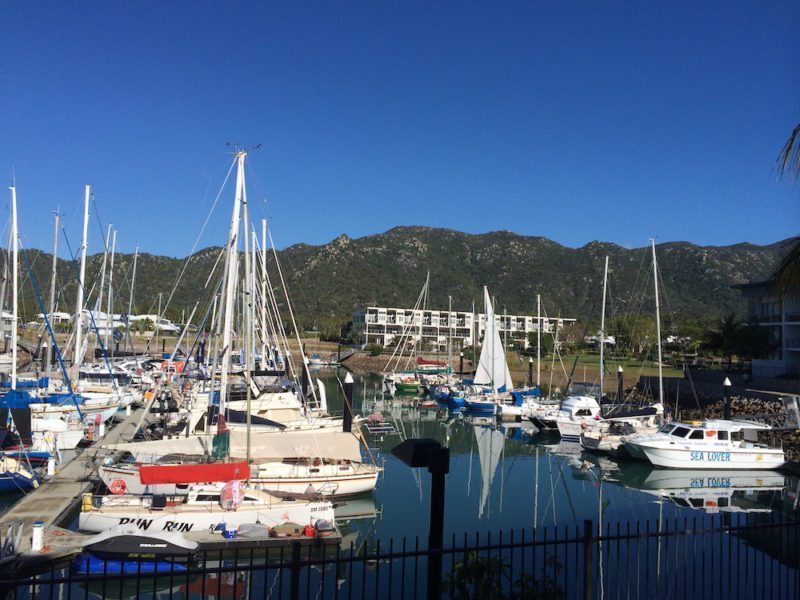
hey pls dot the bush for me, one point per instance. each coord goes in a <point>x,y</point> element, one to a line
<point>374,349</point>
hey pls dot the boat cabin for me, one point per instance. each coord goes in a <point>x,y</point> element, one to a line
<point>715,430</point>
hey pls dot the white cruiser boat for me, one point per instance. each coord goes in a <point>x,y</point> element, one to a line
<point>204,508</point>
<point>606,435</point>
<point>574,412</point>
<point>712,444</point>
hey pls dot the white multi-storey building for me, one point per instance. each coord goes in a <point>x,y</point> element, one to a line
<point>386,326</point>
<point>781,317</point>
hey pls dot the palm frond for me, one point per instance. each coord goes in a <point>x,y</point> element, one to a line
<point>785,281</point>
<point>789,157</point>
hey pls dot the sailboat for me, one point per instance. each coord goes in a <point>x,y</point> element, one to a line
<point>14,476</point>
<point>492,371</point>
<point>272,433</point>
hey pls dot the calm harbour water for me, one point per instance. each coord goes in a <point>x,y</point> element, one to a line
<point>505,476</point>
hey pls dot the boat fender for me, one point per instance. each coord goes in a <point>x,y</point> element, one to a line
<point>117,487</point>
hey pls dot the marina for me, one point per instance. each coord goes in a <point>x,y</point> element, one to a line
<point>375,300</point>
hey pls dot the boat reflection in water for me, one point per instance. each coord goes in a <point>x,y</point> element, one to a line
<point>710,491</point>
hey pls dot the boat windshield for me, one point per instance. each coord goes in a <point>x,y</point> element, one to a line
<point>667,428</point>
<point>680,431</point>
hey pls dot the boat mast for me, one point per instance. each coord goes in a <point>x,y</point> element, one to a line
<point>130,301</point>
<point>603,324</point>
<point>110,304</point>
<point>538,340</point>
<point>658,325</point>
<point>106,241</point>
<point>450,332</point>
<point>14,301</point>
<point>4,287</point>
<point>229,300</point>
<point>77,357</point>
<point>52,305</point>
<point>247,297</point>
<point>263,293</point>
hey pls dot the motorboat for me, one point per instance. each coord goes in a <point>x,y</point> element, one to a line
<point>711,444</point>
<point>606,434</point>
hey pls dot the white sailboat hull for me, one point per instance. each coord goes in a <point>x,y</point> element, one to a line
<point>356,481</point>
<point>201,518</point>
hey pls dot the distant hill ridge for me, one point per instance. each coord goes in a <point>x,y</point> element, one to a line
<point>329,281</point>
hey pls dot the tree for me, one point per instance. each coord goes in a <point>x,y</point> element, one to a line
<point>725,337</point>
<point>753,341</point>
<point>786,278</point>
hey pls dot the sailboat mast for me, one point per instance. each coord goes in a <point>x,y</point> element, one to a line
<point>130,298</point>
<point>52,306</point>
<point>263,293</point>
<point>229,300</point>
<point>603,325</point>
<point>4,287</point>
<point>102,288</point>
<point>110,303</point>
<point>538,339</point>
<point>450,331</point>
<point>77,357</point>
<point>15,282</point>
<point>658,325</point>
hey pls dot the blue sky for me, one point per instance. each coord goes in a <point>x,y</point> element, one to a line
<point>580,121</point>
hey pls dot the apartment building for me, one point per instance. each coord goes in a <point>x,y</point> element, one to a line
<point>782,318</point>
<point>386,326</point>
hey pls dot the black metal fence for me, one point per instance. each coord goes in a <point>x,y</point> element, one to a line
<point>731,556</point>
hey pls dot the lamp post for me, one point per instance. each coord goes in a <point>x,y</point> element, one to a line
<point>426,452</point>
<point>726,399</point>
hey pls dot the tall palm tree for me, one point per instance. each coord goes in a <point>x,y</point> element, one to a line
<point>785,281</point>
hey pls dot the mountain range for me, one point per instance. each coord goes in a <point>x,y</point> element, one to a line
<point>328,282</point>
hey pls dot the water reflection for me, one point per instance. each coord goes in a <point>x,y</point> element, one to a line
<point>508,475</point>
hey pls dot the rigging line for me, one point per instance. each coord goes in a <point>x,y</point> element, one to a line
<point>291,314</point>
<point>87,304</point>
<point>99,224</point>
<point>197,240</point>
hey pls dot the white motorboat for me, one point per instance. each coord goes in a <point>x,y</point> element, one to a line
<point>712,444</point>
<point>606,434</point>
<point>574,412</point>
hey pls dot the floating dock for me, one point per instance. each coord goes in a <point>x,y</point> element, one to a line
<point>53,500</point>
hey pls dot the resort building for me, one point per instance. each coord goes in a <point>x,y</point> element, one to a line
<point>386,326</point>
<point>782,319</point>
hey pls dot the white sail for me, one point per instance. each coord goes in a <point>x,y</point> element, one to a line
<point>490,446</point>
<point>492,368</point>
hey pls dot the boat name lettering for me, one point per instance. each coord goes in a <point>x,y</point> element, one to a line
<point>143,524</point>
<point>712,456</point>
<point>173,526</point>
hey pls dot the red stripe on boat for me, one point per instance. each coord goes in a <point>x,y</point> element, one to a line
<point>202,473</point>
